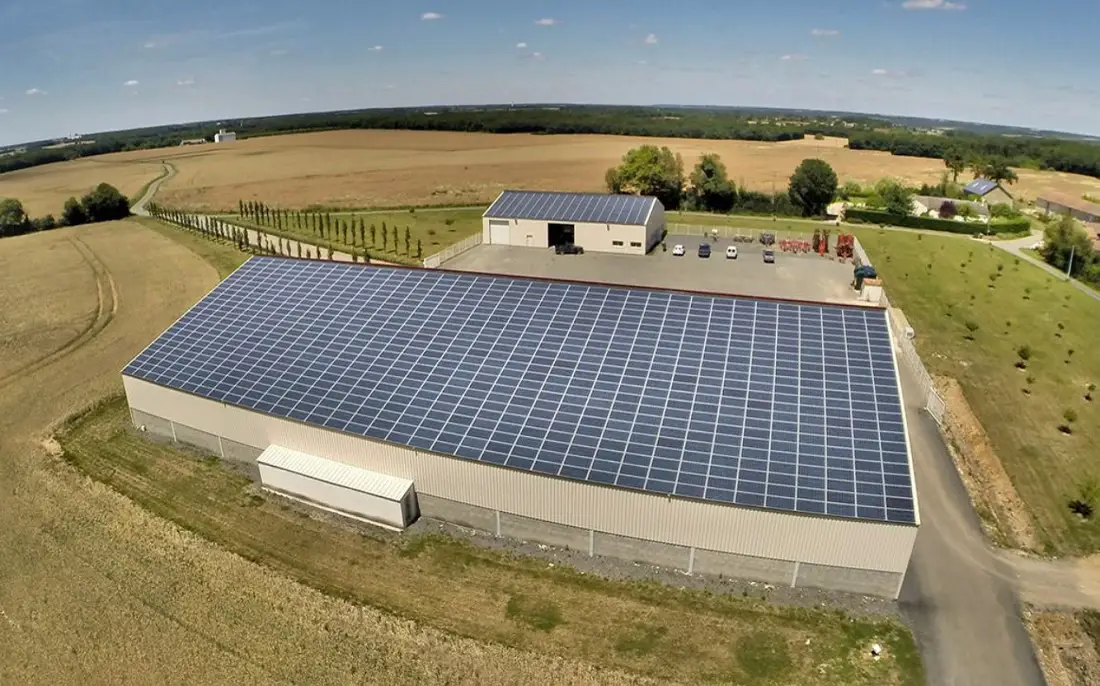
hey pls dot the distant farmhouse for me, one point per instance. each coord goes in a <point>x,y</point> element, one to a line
<point>224,136</point>
<point>988,192</point>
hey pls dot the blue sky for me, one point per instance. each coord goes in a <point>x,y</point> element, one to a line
<point>74,66</point>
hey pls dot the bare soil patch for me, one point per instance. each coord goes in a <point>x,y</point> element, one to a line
<point>43,190</point>
<point>355,169</point>
<point>1066,652</point>
<point>991,490</point>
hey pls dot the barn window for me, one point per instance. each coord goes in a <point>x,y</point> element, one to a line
<point>635,244</point>
<point>619,243</point>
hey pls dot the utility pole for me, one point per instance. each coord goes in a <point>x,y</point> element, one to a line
<point>1069,267</point>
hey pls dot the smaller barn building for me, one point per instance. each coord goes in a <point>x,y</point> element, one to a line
<point>224,136</point>
<point>988,192</point>
<point>628,224</point>
<point>1058,203</point>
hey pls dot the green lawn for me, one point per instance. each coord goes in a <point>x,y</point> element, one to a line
<point>434,230</point>
<point>943,282</point>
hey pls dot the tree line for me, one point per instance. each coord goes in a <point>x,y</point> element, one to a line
<point>1077,157</point>
<point>649,170</point>
<point>351,232</point>
<point>103,204</point>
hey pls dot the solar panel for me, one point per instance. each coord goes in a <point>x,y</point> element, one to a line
<point>980,186</point>
<point>572,207</point>
<point>788,406</point>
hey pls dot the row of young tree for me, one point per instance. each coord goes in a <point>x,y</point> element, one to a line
<point>352,232</point>
<point>260,243</point>
<point>103,204</point>
<point>649,170</point>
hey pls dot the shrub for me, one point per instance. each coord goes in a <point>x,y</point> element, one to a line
<point>948,210</point>
<point>1024,353</point>
<point>971,327</point>
<point>861,215</point>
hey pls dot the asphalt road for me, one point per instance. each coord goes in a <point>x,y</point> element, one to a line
<point>958,596</point>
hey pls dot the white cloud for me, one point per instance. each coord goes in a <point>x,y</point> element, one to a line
<point>651,39</point>
<point>933,5</point>
<point>642,63</point>
<point>185,82</point>
<point>150,45</point>
<point>35,91</point>
<point>521,46</point>
<point>547,21</point>
<point>430,16</point>
<point>278,52</point>
<point>792,58</point>
<point>891,73</point>
<point>825,33</point>
<point>375,48</point>
<point>537,55</point>
<point>3,111</point>
<point>879,72</point>
<point>390,87</point>
<point>131,83</point>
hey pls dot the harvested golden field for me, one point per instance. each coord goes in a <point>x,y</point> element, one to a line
<point>44,190</point>
<point>354,169</point>
<point>95,587</point>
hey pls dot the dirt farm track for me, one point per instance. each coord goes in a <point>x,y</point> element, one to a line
<point>93,589</point>
<point>397,168</point>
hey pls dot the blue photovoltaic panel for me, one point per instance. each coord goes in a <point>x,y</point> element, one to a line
<point>778,405</point>
<point>572,207</point>
<point>980,186</point>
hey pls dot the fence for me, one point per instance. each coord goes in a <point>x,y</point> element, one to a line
<point>933,402</point>
<point>433,261</point>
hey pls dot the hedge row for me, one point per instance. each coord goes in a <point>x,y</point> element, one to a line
<point>858,215</point>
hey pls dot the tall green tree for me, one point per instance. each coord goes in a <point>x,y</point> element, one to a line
<point>1063,239</point>
<point>895,197</point>
<point>105,204</point>
<point>73,213</point>
<point>13,218</point>
<point>711,189</point>
<point>999,171</point>
<point>649,170</point>
<point>813,186</point>
<point>955,160</point>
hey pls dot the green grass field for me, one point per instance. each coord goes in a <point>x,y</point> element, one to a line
<point>641,627</point>
<point>435,230</point>
<point>948,285</point>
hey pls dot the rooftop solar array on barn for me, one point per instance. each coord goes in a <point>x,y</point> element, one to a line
<point>572,207</point>
<point>736,400</point>
<point>980,186</point>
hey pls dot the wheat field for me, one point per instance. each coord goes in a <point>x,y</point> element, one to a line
<point>358,169</point>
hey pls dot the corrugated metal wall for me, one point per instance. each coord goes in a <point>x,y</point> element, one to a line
<point>761,533</point>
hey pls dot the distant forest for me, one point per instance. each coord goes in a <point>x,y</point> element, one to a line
<point>863,132</point>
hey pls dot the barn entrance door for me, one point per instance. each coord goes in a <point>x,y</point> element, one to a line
<point>498,231</point>
<point>559,234</point>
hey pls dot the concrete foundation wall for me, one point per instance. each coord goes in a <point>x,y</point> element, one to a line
<point>152,423</point>
<point>458,513</point>
<point>637,550</point>
<point>560,535</point>
<point>715,563</point>
<point>239,452</point>
<point>199,439</point>
<point>865,581</point>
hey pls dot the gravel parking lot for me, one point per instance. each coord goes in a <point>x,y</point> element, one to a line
<point>799,277</point>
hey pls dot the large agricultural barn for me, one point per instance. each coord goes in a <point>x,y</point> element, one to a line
<point>1059,203</point>
<point>603,223</point>
<point>713,434</point>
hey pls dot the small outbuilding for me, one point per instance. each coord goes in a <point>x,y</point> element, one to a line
<point>598,222</point>
<point>224,136</point>
<point>1060,203</point>
<point>341,488</point>
<point>988,192</point>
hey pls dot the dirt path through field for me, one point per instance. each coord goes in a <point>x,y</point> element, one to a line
<point>93,589</point>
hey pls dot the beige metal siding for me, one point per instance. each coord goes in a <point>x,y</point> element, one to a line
<point>655,225</point>
<point>529,233</point>
<point>336,473</point>
<point>602,237</point>
<point>818,540</point>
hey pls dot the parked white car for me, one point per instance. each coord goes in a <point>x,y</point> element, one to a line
<point>731,252</point>
<point>678,250</point>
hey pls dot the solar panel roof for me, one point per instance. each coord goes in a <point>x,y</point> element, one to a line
<point>980,186</point>
<point>572,207</point>
<point>736,400</point>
